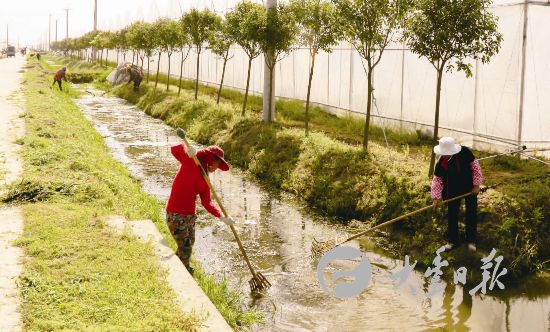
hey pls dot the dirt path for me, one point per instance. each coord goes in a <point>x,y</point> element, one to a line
<point>11,220</point>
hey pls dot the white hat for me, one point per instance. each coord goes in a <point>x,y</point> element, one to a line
<point>447,147</point>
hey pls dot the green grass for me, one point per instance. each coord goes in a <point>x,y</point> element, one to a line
<point>79,275</point>
<point>330,172</point>
<point>229,303</point>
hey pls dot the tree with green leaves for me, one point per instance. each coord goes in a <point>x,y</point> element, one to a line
<point>137,38</point>
<point>184,42</point>
<point>121,44</point>
<point>108,42</point>
<point>447,33</point>
<point>370,25</point>
<point>220,42</point>
<point>166,35</point>
<point>171,41</point>
<point>102,41</point>
<point>85,42</point>
<point>245,26</point>
<point>97,43</point>
<point>280,31</point>
<point>317,20</point>
<point>147,43</point>
<point>200,25</point>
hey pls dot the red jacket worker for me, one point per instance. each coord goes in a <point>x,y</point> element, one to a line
<point>188,183</point>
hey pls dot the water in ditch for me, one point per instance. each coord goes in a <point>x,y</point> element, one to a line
<point>277,232</point>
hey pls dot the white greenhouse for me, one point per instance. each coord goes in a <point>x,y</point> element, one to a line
<point>504,105</point>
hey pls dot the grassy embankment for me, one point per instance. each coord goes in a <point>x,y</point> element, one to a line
<point>229,303</point>
<point>331,172</point>
<point>80,274</point>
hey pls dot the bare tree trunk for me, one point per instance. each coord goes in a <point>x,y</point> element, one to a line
<point>247,85</point>
<point>107,57</point>
<point>181,72</point>
<point>168,80</point>
<point>197,79</point>
<point>269,115</point>
<point>309,90</point>
<point>148,62</point>
<point>436,124</point>
<point>369,106</point>
<point>223,75</point>
<point>158,68</point>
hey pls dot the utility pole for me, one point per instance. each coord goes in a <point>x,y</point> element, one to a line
<point>50,32</point>
<point>95,15</point>
<point>56,30</point>
<point>523,71</point>
<point>67,20</point>
<point>7,35</point>
<point>95,28</point>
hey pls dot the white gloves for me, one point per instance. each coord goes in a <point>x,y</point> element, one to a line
<point>191,151</point>
<point>228,220</point>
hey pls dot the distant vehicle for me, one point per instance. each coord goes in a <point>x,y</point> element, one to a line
<point>10,51</point>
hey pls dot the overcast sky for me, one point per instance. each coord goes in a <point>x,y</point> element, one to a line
<point>28,19</point>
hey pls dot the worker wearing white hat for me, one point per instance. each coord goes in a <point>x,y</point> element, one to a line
<point>457,172</point>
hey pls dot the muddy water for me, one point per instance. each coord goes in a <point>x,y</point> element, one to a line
<point>277,233</point>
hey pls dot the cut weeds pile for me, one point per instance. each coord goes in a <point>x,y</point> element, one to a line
<point>332,173</point>
<point>80,275</point>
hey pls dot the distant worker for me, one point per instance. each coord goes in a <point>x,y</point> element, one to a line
<point>59,75</point>
<point>136,75</point>
<point>126,73</point>
<point>457,172</point>
<point>38,56</point>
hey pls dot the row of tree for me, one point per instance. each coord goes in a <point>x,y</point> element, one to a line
<point>446,33</point>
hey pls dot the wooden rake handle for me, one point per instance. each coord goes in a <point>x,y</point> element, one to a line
<point>389,222</point>
<point>182,135</point>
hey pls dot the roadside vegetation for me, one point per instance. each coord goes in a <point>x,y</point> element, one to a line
<point>81,275</point>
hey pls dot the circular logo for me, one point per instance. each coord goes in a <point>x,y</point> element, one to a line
<point>361,274</point>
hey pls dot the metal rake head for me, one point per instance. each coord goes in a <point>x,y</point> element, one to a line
<point>259,283</point>
<point>319,248</point>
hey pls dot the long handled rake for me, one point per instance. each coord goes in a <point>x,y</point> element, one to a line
<point>319,248</point>
<point>258,283</point>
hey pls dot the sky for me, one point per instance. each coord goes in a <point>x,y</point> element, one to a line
<point>27,20</point>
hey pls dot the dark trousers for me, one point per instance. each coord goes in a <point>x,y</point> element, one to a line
<point>58,82</point>
<point>182,228</point>
<point>471,219</point>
